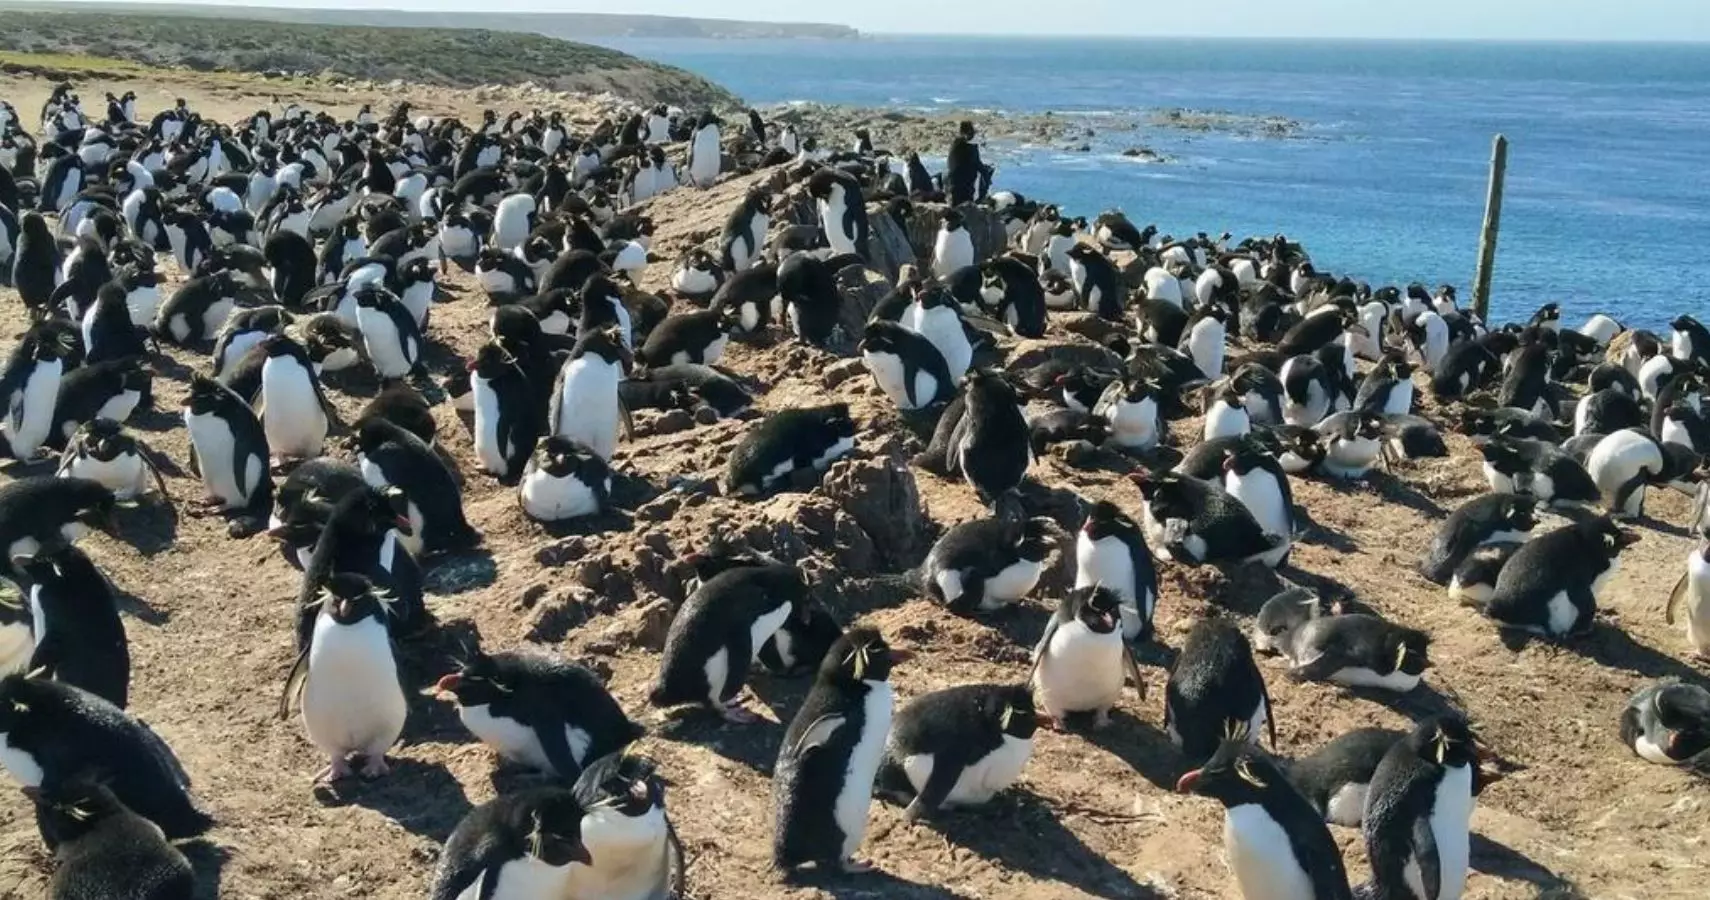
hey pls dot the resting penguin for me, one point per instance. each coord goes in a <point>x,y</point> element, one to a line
<point>1418,812</point>
<point>538,710</point>
<point>1197,522</point>
<point>842,210</point>
<point>698,337</point>
<point>1667,723</point>
<point>1275,842</point>
<point>1693,592</point>
<point>933,315</point>
<point>518,846</point>
<point>105,850</point>
<point>1009,288</point>
<point>565,480</point>
<point>390,456</point>
<point>717,635</point>
<point>1131,406</point>
<point>52,733</point>
<point>1525,466</point>
<point>1081,662</point>
<point>1335,777</point>
<point>1489,519</point>
<point>906,366</point>
<point>1474,580</point>
<point>507,425</point>
<point>634,851</point>
<point>810,438</point>
<point>959,746</point>
<point>1551,584</point>
<point>106,452</point>
<point>1215,689</point>
<point>44,512</point>
<point>822,784</point>
<point>1111,552</point>
<point>1353,650</point>
<point>79,639</point>
<point>346,681</point>
<point>228,451</point>
<point>1252,475</point>
<point>198,310</point>
<point>986,564</point>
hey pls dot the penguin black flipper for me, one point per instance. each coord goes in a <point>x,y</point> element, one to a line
<point>294,682</point>
<point>676,875</point>
<point>555,743</point>
<point>1423,843</point>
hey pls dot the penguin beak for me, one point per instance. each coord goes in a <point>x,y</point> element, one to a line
<point>1189,782</point>
<point>579,853</point>
<point>403,525</point>
<point>448,684</point>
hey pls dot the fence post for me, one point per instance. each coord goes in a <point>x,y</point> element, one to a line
<point>1492,225</point>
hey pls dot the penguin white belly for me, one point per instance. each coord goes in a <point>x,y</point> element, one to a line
<point>1205,345</point>
<point>20,764</point>
<point>925,388</point>
<point>717,670</point>
<point>1562,614</point>
<point>518,742</point>
<point>763,628</point>
<point>1675,433</point>
<point>696,283</point>
<point>1161,285</point>
<point>1451,823</point>
<point>386,347</point>
<point>588,405</point>
<point>524,878</point>
<point>1259,492</point>
<point>1011,584</point>
<point>842,447</point>
<point>1617,460</point>
<point>831,213</point>
<point>215,450</point>
<point>1357,676</point>
<point>855,795</point>
<point>493,457</point>
<point>1651,753</point>
<point>888,373</point>
<point>1081,671</point>
<point>31,417</point>
<point>552,499</point>
<point>238,346</point>
<point>292,416</point>
<point>418,299</point>
<point>1260,856</point>
<point>630,853</point>
<point>1351,458</point>
<point>1347,806</point>
<point>352,701</point>
<point>215,316</point>
<point>1134,425</point>
<point>1226,421</point>
<point>952,250</point>
<point>144,304</point>
<point>705,158</point>
<point>1698,603</point>
<point>979,781</point>
<point>1400,401</point>
<point>123,474</point>
<point>1107,563</point>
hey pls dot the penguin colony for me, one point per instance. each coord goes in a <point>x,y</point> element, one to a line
<point>312,251</point>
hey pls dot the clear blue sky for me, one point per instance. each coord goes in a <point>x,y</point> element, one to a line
<point>1678,20</point>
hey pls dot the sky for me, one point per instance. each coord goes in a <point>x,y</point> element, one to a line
<point>1628,20</point>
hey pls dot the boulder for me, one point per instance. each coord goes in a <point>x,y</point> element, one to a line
<point>881,496</point>
<point>983,226</point>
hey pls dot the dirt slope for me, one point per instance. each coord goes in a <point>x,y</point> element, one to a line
<point>1094,816</point>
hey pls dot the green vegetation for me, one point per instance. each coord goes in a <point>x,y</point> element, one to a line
<point>459,58</point>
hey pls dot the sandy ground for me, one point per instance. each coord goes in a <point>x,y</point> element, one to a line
<point>1094,814</point>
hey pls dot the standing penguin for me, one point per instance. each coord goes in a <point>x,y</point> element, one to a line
<point>1275,843</point>
<point>228,451</point>
<point>1418,814</point>
<point>634,850</point>
<point>1489,519</point>
<point>744,233</point>
<point>953,248</point>
<point>585,405</point>
<point>1111,552</point>
<point>706,157</point>
<point>1081,663</point>
<point>960,746</point>
<point>104,850</point>
<point>1252,475</point>
<point>30,389</point>
<point>1624,463</point>
<point>35,263</point>
<point>934,315</point>
<point>293,409</point>
<point>842,210</point>
<point>822,785</point>
<point>1215,689</point>
<point>347,680</point>
<point>538,710</point>
<point>519,846</point>
<point>906,366</point>
<point>389,332</point>
<point>1668,723</point>
<point>1551,585</point>
<point>1354,650</point>
<point>389,455</point>
<point>717,635</point>
<point>990,446</point>
<point>1693,592</point>
<point>78,636</point>
<point>1227,416</point>
<point>1096,280</point>
<point>507,424</point>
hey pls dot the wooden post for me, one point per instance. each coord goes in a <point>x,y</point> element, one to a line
<point>1492,225</point>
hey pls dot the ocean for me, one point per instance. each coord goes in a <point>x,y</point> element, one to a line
<point>1607,205</point>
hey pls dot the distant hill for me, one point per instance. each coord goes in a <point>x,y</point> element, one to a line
<point>434,56</point>
<point>570,26</point>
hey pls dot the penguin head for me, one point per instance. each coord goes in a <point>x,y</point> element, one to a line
<point>494,360</point>
<point>1244,457</point>
<point>861,654</point>
<point>1519,513</point>
<point>1549,312</point>
<point>206,396</point>
<point>1684,710</point>
<point>1033,539</point>
<point>1238,774</point>
<point>624,784</point>
<point>1097,608</point>
<point>953,221</point>
<point>103,439</point>
<point>1279,618</point>
<point>348,598</point>
<point>67,810</point>
<point>934,296</point>
<point>478,681</point>
<point>1606,537</point>
<point>880,336</point>
<point>376,511</point>
<point>1446,741</point>
<point>1011,708</point>
<point>1105,519</point>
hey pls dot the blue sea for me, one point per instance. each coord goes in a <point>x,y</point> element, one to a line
<point>1608,196</point>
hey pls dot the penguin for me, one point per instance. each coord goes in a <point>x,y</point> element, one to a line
<point>1261,393</point>
<point>365,532</point>
<point>1607,411</point>
<point>809,438</point>
<point>1535,467</point>
<point>507,424</point>
<point>109,331</point>
<point>346,680</point>
<point>1551,585</point>
<point>390,333</point>
<point>54,734</point>
<point>1214,690</point>
<point>752,296</point>
<point>1353,650</point>
<point>389,455</point>
<point>1130,406</point>
<point>291,256</point>
<point>1013,293</point>
<point>228,451</point>
<point>518,846</point>
<point>102,849</point>
<point>934,315</point>
<point>103,451</point>
<point>807,288</point>
<point>198,310</point>
<point>1096,280</point>
<point>1418,812</point>
<point>1387,389</point>
<point>1693,593</point>
<point>953,248</point>
<point>1526,384</point>
<point>1196,522</point>
<point>1111,552</point>
<point>1667,723</point>
<point>744,234</point>
<point>1481,521</point>
<point>822,784</point>
<point>535,709</point>
<point>1227,417</point>
<point>603,307</point>
<point>1353,443</point>
<point>960,746</point>
<point>697,276</point>
<point>1690,341</point>
<point>1205,339</point>
<point>990,445</point>
<point>1428,336</point>
<point>1276,845</point>
<point>1474,580</point>
<point>30,389</point>
<point>244,329</point>
<point>1307,391</point>
<point>292,407</point>
<point>717,634</point>
<point>1254,476</point>
<point>633,848</point>
<point>706,157</point>
<point>584,405</point>
<point>1336,777</point>
<point>565,480</point>
<point>79,639</point>
<point>1623,463</point>
<point>1059,291</point>
<point>842,211</point>
<point>906,366</point>
<point>1081,662</point>
<point>986,564</point>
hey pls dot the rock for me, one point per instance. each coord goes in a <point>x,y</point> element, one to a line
<point>531,595</point>
<point>881,496</point>
<point>554,618</point>
<point>837,373</point>
<point>1030,354</point>
<point>562,552</point>
<point>801,523</point>
<point>1089,325</point>
<point>984,227</point>
<point>860,289</point>
<point>592,573</point>
<point>705,415</point>
<point>659,542</point>
<point>644,628</point>
<point>660,509</point>
<point>617,589</point>
<point>674,421</point>
<point>888,245</point>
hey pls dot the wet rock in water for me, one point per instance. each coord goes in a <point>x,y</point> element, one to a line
<point>881,497</point>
